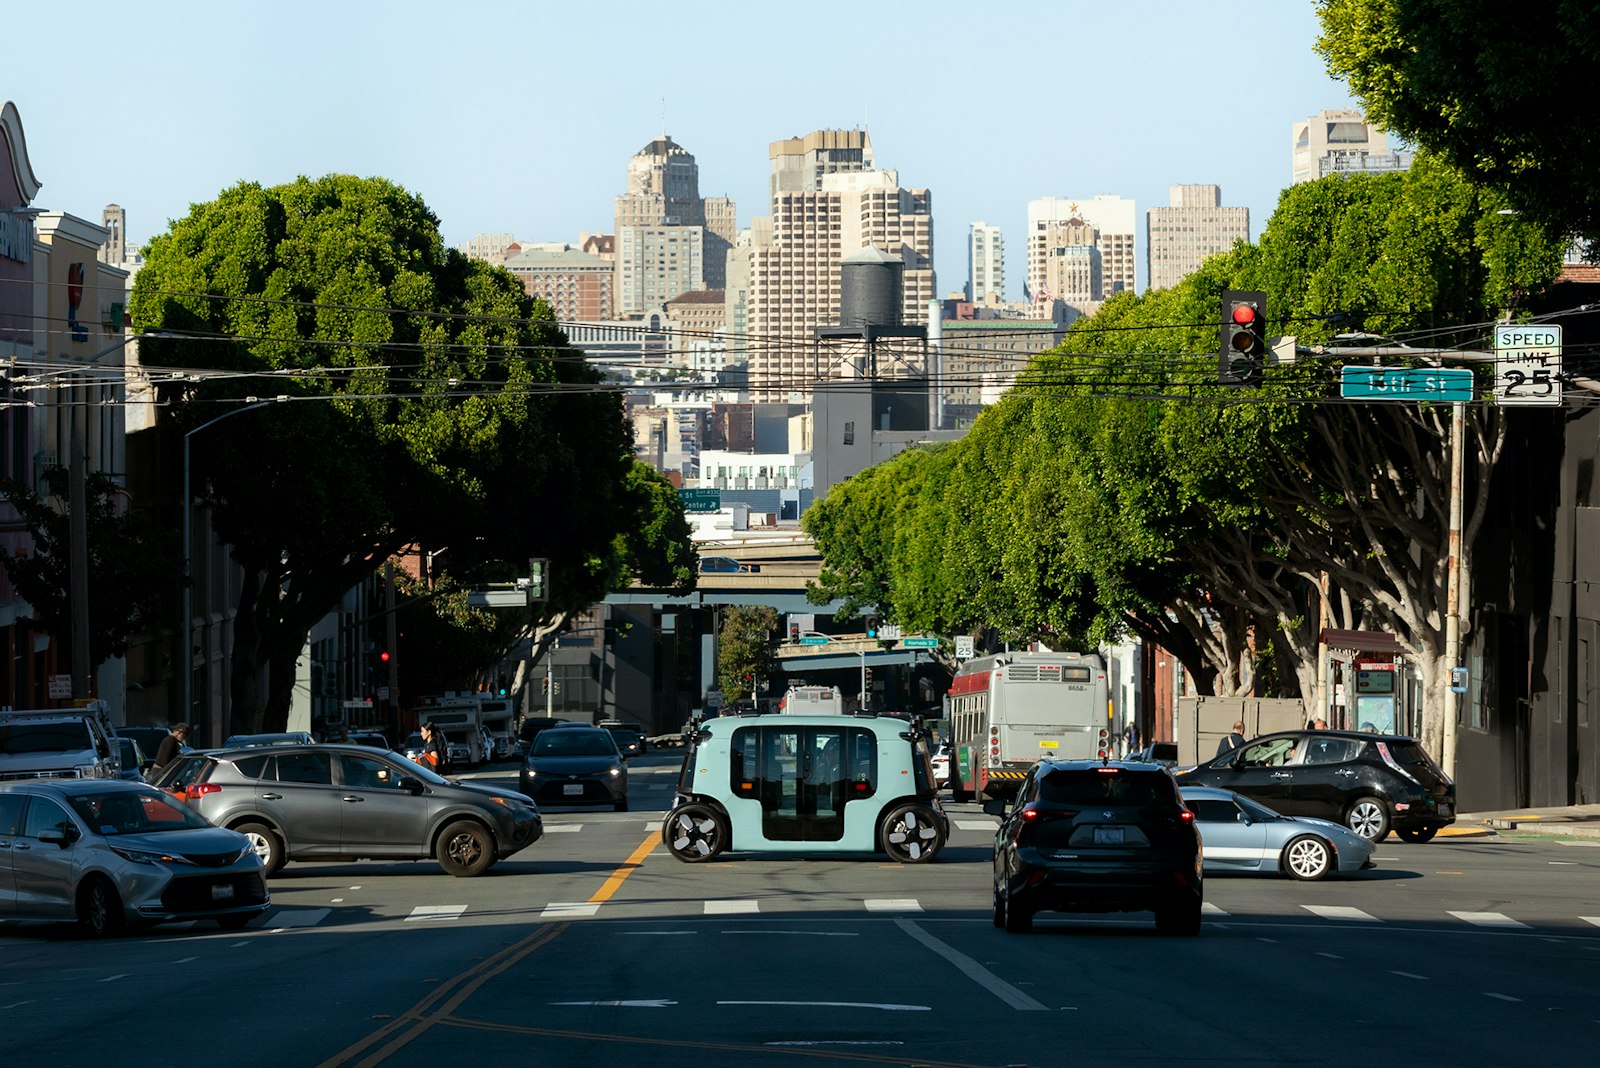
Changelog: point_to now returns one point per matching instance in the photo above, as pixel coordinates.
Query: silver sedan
(1246, 836)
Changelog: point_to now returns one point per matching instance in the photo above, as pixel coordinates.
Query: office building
(669, 240)
(986, 264)
(1195, 225)
(491, 248)
(1052, 221)
(576, 285)
(1341, 141)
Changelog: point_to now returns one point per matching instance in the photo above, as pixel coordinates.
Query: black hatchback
(1097, 836)
(1371, 783)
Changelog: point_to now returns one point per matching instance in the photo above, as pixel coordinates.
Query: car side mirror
(62, 837)
(995, 807)
(1244, 818)
(408, 784)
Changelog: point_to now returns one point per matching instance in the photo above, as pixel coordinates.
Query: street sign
(920, 643)
(1406, 383)
(701, 500)
(1527, 365)
(60, 686)
(964, 645)
(813, 639)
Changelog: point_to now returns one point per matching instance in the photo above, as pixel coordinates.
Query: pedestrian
(1319, 724)
(1130, 737)
(434, 754)
(172, 744)
(1232, 741)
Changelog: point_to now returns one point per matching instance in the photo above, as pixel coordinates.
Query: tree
(1495, 89)
(742, 649)
(134, 561)
(430, 401)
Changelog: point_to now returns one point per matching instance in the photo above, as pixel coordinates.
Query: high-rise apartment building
(669, 240)
(1341, 141)
(1112, 219)
(827, 204)
(986, 264)
(1178, 238)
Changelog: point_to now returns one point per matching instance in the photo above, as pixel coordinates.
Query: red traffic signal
(1244, 338)
(383, 656)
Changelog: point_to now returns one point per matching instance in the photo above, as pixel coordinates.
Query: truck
(57, 743)
(476, 726)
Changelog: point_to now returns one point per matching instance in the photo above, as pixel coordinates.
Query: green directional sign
(813, 639)
(1406, 383)
(701, 500)
(920, 643)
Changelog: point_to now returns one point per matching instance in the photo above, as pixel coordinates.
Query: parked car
(131, 760)
(60, 743)
(372, 739)
(149, 739)
(1371, 783)
(941, 764)
(787, 782)
(345, 802)
(108, 854)
(1097, 836)
(256, 741)
(574, 764)
(630, 743)
(1242, 835)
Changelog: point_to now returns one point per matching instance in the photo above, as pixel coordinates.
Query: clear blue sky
(520, 117)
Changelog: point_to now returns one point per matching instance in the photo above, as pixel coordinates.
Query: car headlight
(530, 773)
(145, 856)
(615, 772)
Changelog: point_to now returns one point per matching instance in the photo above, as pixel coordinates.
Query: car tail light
(1383, 751)
(1186, 816)
(200, 789)
(1029, 815)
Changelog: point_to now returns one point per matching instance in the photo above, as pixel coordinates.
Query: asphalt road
(594, 945)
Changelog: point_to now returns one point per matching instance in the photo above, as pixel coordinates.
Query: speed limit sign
(1527, 364)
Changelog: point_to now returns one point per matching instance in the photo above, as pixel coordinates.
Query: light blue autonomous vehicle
(807, 783)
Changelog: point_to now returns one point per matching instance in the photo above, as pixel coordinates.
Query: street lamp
(186, 627)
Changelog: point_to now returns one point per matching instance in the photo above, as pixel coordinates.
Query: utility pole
(1452, 600)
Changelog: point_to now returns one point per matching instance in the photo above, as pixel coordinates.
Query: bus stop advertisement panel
(1376, 686)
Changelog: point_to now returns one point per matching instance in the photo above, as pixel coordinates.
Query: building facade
(1194, 225)
(1340, 141)
(986, 264)
(576, 285)
(669, 240)
(1112, 218)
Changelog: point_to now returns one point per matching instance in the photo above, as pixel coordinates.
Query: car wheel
(911, 834)
(234, 921)
(1018, 920)
(695, 833)
(1307, 858)
(268, 846)
(465, 849)
(1368, 817)
(1418, 835)
(100, 908)
(1179, 916)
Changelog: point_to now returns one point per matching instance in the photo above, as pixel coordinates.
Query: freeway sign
(813, 639)
(1406, 383)
(920, 643)
(701, 500)
(1527, 364)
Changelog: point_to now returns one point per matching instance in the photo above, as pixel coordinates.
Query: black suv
(1371, 783)
(1097, 836)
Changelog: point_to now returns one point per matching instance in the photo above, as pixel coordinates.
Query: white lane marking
(283, 919)
(892, 904)
(16, 1005)
(641, 1003)
(1486, 919)
(185, 960)
(732, 908)
(977, 825)
(1341, 912)
(1273, 941)
(973, 970)
(558, 828)
(1591, 919)
(564, 910)
(837, 1042)
(1212, 910)
(1331, 956)
(436, 912)
(236, 945)
(336, 901)
(114, 978)
(1565, 863)
(1502, 997)
(355, 888)
(630, 933)
(885, 1006)
(816, 934)
(1409, 975)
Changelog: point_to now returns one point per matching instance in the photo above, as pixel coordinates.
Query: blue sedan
(1245, 836)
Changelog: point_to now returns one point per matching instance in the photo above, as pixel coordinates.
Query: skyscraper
(827, 204)
(986, 264)
(669, 240)
(1112, 219)
(1179, 237)
(1341, 141)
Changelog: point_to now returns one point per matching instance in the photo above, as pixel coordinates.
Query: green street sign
(701, 500)
(813, 639)
(920, 643)
(1406, 383)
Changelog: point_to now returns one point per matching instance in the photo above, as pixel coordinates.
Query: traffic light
(1244, 337)
(872, 626)
(794, 632)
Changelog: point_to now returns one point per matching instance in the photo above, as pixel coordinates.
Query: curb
(1465, 832)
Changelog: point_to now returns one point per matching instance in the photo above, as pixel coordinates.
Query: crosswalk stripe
(436, 912)
(1211, 910)
(732, 908)
(295, 918)
(1340, 912)
(566, 910)
(976, 825)
(557, 828)
(1591, 919)
(892, 904)
(1487, 919)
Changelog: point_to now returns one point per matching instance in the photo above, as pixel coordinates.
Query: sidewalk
(1571, 821)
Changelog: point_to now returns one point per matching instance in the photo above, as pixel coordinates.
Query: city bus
(1008, 710)
(815, 700)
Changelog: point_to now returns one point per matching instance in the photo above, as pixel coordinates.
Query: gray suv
(345, 802)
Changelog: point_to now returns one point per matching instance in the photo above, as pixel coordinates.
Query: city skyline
(185, 106)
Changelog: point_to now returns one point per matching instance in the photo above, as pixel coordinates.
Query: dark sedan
(1371, 783)
(575, 766)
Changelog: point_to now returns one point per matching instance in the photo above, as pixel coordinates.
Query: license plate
(221, 891)
(573, 789)
(1049, 745)
(1108, 836)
